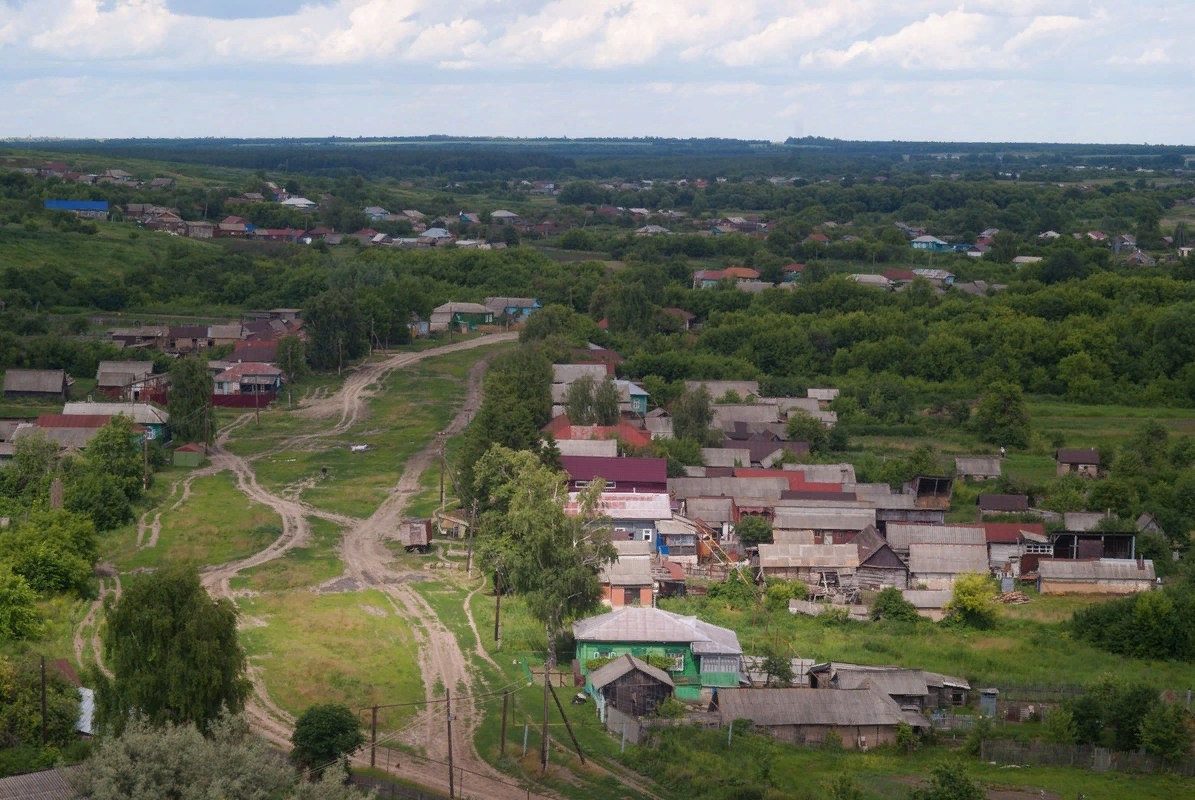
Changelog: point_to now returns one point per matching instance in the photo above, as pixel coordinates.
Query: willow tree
(174, 654)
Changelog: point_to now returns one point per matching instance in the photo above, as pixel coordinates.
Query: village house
(620, 474)
(248, 378)
(938, 566)
(151, 337)
(606, 448)
(627, 581)
(47, 384)
(460, 316)
(515, 308)
(562, 428)
(632, 515)
(879, 565)
(702, 656)
(87, 209)
(860, 718)
(185, 339)
(1010, 542)
(906, 687)
(154, 420)
(1078, 462)
(816, 564)
(629, 686)
(75, 431)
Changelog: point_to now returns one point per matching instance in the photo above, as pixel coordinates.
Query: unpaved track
(366, 561)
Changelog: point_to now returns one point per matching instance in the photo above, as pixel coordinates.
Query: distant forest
(472, 158)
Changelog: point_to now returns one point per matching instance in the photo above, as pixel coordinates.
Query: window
(678, 662)
(646, 534)
(1039, 549)
(581, 484)
(611, 485)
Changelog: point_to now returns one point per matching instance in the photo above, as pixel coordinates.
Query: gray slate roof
(718, 388)
(771, 707)
(141, 413)
(632, 567)
(824, 519)
(725, 457)
(621, 666)
(1106, 569)
(657, 625)
(928, 598)
(902, 535)
(809, 556)
(51, 784)
(34, 380)
(950, 559)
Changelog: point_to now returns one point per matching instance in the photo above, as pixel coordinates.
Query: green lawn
(216, 524)
(349, 648)
(299, 567)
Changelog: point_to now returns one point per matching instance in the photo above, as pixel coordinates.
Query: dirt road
(368, 564)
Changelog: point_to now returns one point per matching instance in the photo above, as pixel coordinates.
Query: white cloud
(1048, 26)
(442, 43)
(1150, 56)
(777, 40)
(940, 41)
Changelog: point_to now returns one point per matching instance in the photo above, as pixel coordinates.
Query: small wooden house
(879, 565)
(862, 718)
(629, 685)
(977, 468)
(1078, 462)
(42, 384)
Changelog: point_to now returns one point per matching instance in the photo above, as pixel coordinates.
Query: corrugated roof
(903, 534)
(458, 308)
(628, 505)
(718, 388)
(588, 447)
(787, 404)
(142, 413)
(1082, 520)
(889, 681)
(725, 457)
(632, 567)
(621, 666)
(825, 473)
(727, 487)
(635, 470)
(1012, 532)
(710, 510)
(951, 559)
(1004, 502)
(1077, 456)
(780, 536)
(977, 465)
(567, 373)
(657, 625)
(823, 519)
(933, 679)
(51, 784)
(810, 556)
(48, 381)
(826, 395)
(840, 707)
(1105, 569)
(744, 412)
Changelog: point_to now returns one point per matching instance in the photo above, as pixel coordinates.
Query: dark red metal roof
(621, 470)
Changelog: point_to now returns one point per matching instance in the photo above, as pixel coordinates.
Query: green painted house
(460, 316)
(703, 655)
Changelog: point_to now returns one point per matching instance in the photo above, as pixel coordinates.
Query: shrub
(906, 738)
(671, 708)
(891, 604)
(973, 602)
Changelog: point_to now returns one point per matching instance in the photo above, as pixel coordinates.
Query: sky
(984, 70)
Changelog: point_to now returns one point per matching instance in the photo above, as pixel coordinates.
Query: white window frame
(646, 532)
(581, 484)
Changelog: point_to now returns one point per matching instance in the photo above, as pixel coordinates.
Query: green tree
(174, 652)
(777, 665)
(292, 358)
(631, 311)
(1060, 727)
(753, 530)
(606, 403)
(336, 332)
(949, 781)
(804, 427)
(20, 618)
(116, 451)
(1164, 732)
(35, 458)
(20, 705)
(891, 604)
(100, 496)
(561, 324)
(579, 401)
(1002, 417)
(55, 551)
(973, 601)
(692, 413)
(189, 400)
(549, 557)
(146, 762)
(324, 734)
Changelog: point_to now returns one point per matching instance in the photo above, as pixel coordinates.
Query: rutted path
(366, 558)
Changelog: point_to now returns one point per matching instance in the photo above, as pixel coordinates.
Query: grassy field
(216, 524)
(318, 648)
(299, 567)
(408, 408)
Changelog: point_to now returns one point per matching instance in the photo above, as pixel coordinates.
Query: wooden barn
(631, 686)
(863, 718)
(879, 565)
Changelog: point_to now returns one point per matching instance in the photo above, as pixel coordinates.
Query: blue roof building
(96, 209)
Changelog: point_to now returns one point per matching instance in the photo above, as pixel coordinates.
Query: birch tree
(550, 558)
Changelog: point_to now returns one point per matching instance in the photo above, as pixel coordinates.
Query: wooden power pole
(448, 714)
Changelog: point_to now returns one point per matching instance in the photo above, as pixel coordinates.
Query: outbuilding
(630, 686)
(1102, 576)
(861, 718)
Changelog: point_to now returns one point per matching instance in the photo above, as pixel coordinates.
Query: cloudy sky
(1007, 70)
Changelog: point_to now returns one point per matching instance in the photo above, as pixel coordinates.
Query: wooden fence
(1097, 759)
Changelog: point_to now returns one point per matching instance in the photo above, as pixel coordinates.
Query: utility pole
(543, 742)
(43, 701)
(373, 738)
(502, 741)
(448, 714)
(145, 460)
(567, 726)
(257, 403)
(497, 602)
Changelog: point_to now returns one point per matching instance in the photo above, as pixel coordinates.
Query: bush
(891, 604)
(753, 530)
(906, 738)
(671, 708)
(973, 602)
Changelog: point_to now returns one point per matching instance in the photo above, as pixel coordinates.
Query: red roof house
(620, 474)
(563, 428)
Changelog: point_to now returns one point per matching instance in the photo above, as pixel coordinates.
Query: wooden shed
(189, 455)
(812, 563)
(632, 686)
(45, 384)
(863, 718)
(938, 566)
(977, 468)
(879, 565)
